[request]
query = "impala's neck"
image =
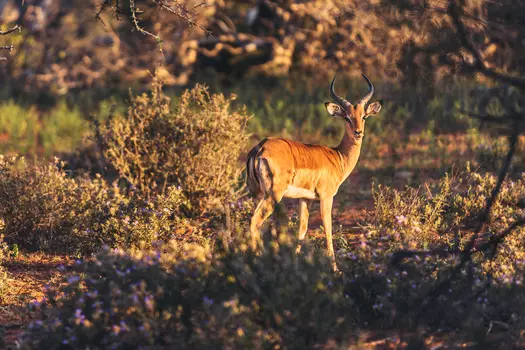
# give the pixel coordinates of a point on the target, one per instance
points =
(349, 148)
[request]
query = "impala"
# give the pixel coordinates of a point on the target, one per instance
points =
(277, 168)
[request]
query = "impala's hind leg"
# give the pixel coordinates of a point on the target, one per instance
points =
(273, 194)
(262, 212)
(303, 220)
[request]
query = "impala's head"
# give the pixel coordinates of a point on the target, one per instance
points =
(356, 115)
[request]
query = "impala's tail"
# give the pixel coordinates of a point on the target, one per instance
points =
(252, 179)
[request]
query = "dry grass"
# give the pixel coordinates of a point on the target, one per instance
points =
(28, 277)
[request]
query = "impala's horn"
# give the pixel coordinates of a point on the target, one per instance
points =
(339, 100)
(368, 96)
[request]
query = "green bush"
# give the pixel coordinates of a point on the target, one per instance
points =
(195, 146)
(26, 130)
(188, 297)
(18, 128)
(63, 129)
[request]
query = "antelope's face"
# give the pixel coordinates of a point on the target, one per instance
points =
(356, 115)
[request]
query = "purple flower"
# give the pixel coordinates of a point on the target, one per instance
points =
(401, 219)
(148, 302)
(207, 301)
(73, 279)
(79, 316)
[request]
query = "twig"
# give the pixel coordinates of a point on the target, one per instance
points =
(10, 30)
(133, 9)
(174, 7)
(494, 241)
(8, 48)
(184, 13)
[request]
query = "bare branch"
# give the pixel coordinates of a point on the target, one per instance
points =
(494, 241)
(172, 6)
(181, 11)
(10, 30)
(134, 12)
(8, 48)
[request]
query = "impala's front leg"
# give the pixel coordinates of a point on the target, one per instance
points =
(303, 220)
(326, 215)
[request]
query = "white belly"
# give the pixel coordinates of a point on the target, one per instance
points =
(298, 192)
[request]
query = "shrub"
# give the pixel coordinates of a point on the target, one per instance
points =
(488, 289)
(135, 222)
(187, 296)
(196, 146)
(466, 208)
(4, 252)
(37, 203)
(412, 217)
(45, 209)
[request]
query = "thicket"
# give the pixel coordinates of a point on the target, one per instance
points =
(178, 161)
(446, 216)
(188, 296)
(228, 295)
(193, 144)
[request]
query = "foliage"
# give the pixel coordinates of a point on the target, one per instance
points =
(422, 218)
(465, 211)
(412, 217)
(440, 218)
(187, 296)
(227, 295)
(195, 147)
(25, 130)
(44, 209)
(18, 127)
(410, 41)
(4, 254)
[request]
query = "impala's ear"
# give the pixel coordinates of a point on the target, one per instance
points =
(373, 108)
(334, 109)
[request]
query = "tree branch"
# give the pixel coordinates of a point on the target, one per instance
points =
(172, 6)
(10, 30)
(8, 48)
